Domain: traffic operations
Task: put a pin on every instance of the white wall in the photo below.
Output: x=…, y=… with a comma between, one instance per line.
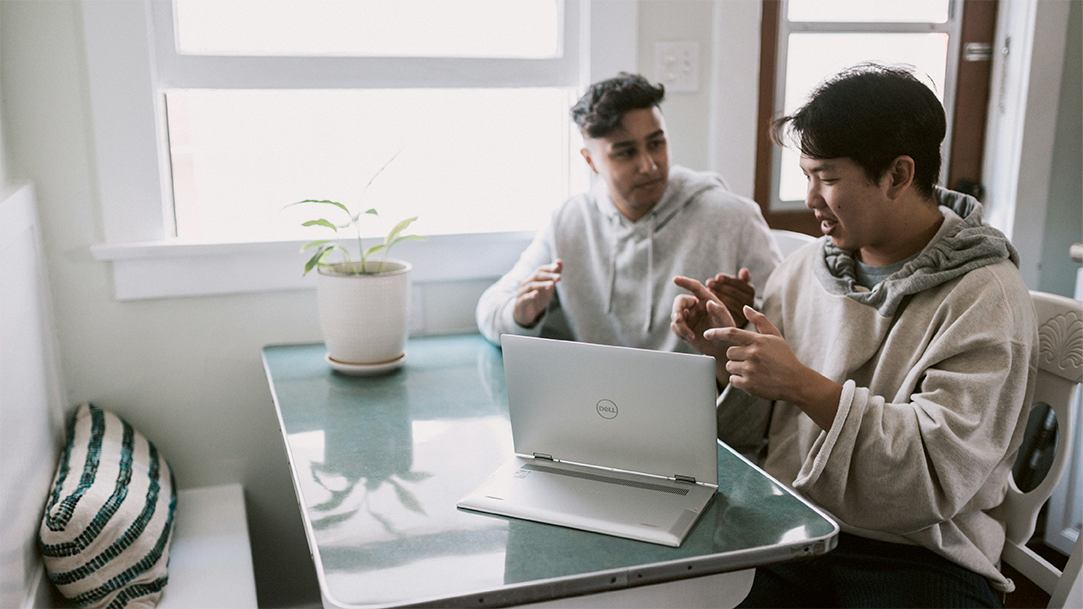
x=31, y=429
x=1021, y=131
x=1064, y=214
x=3, y=144
x=680, y=21
x=185, y=372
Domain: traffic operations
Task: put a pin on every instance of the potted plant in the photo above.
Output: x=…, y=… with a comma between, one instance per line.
x=364, y=305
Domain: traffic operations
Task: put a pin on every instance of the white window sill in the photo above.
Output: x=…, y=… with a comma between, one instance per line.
x=174, y=268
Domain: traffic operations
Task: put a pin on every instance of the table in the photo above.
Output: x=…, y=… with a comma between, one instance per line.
x=379, y=462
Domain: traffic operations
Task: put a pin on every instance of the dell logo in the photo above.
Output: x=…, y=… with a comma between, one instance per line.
x=607, y=409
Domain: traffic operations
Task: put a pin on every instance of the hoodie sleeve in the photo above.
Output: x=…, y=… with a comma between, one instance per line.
x=495, y=308
x=944, y=443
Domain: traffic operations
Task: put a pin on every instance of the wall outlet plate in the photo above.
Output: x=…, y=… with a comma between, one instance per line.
x=676, y=65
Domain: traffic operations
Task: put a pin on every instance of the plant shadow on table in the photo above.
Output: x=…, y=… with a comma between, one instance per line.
x=381, y=454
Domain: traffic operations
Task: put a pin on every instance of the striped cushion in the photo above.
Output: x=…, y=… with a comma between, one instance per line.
x=108, y=521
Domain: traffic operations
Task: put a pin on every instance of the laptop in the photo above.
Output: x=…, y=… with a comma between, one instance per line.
x=613, y=440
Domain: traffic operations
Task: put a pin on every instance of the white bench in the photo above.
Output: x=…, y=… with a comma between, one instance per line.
x=210, y=560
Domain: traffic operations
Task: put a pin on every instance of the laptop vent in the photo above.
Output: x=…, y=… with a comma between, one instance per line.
x=607, y=479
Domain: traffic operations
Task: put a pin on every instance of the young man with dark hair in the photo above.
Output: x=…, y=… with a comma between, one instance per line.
x=601, y=270
x=897, y=355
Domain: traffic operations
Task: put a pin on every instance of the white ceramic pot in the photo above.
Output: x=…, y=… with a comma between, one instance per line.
x=364, y=318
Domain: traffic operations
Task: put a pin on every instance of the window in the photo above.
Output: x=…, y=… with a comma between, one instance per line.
x=378, y=28
x=818, y=38
x=206, y=127
x=474, y=157
x=465, y=160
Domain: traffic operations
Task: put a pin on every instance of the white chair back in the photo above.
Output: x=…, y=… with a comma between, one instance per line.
x=1060, y=372
x=790, y=241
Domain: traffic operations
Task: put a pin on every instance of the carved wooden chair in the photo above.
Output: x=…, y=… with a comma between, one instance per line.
x=1060, y=371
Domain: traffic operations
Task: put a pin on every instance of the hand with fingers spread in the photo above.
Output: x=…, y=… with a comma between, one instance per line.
x=736, y=292
x=536, y=292
x=762, y=364
x=697, y=313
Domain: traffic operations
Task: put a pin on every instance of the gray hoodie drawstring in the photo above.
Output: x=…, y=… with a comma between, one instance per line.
x=650, y=275
x=612, y=264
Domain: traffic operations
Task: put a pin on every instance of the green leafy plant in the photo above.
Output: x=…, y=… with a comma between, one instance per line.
x=326, y=249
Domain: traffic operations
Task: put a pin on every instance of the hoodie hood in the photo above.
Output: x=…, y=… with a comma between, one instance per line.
x=962, y=244
x=682, y=188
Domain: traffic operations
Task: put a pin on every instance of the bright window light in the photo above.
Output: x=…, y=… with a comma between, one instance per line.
x=385, y=28
x=812, y=57
x=469, y=160
x=875, y=11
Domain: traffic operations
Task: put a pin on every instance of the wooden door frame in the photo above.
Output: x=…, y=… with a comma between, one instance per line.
x=968, y=128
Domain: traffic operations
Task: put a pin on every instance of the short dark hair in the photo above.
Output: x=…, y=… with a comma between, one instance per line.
x=872, y=114
x=603, y=106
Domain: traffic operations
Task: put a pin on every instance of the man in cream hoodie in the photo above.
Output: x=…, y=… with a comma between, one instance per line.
x=898, y=354
x=601, y=270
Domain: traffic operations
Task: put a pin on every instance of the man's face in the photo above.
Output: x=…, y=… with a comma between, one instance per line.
x=633, y=160
x=852, y=210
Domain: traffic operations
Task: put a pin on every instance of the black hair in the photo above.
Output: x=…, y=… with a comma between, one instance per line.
x=601, y=109
x=872, y=114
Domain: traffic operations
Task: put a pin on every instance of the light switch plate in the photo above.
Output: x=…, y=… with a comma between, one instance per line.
x=676, y=65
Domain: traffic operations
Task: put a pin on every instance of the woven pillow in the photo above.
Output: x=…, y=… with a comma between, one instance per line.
x=109, y=518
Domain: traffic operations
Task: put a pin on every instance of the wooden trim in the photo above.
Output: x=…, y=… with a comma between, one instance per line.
x=802, y=221
x=768, y=65
x=972, y=95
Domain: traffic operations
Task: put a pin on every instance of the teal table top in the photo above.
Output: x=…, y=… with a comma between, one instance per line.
x=379, y=463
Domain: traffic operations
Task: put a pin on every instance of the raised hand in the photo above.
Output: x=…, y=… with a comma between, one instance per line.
x=536, y=292
x=736, y=292
x=762, y=364
x=696, y=313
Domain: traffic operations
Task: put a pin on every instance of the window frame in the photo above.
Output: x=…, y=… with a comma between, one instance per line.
x=952, y=27
x=131, y=59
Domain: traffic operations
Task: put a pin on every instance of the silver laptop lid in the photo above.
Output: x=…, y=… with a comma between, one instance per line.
x=616, y=407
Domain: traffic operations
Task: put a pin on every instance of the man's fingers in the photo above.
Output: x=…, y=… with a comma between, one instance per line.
x=720, y=315
x=681, y=304
x=533, y=299
x=697, y=289
x=761, y=322
x=727, y=284
x=735, y=336
x=744, y=275
x=532, y=286
x=685, y=282
x=682, y=330
x=545, y=276
x=735, y=370
x=546, y=272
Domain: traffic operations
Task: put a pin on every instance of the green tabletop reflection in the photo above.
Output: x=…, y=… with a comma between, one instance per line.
x=380, y=462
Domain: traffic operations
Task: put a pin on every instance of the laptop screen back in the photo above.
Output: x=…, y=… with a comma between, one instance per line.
x=617, y=407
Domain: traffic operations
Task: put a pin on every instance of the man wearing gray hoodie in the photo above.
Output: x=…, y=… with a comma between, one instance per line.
x=601, y=270
x=897, y=357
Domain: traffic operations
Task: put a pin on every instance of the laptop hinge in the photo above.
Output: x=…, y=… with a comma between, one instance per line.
x=688, y=479
x=543, y=456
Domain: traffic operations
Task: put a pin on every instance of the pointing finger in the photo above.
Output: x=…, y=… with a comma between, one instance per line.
x=761, y=322
x=697, y=289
